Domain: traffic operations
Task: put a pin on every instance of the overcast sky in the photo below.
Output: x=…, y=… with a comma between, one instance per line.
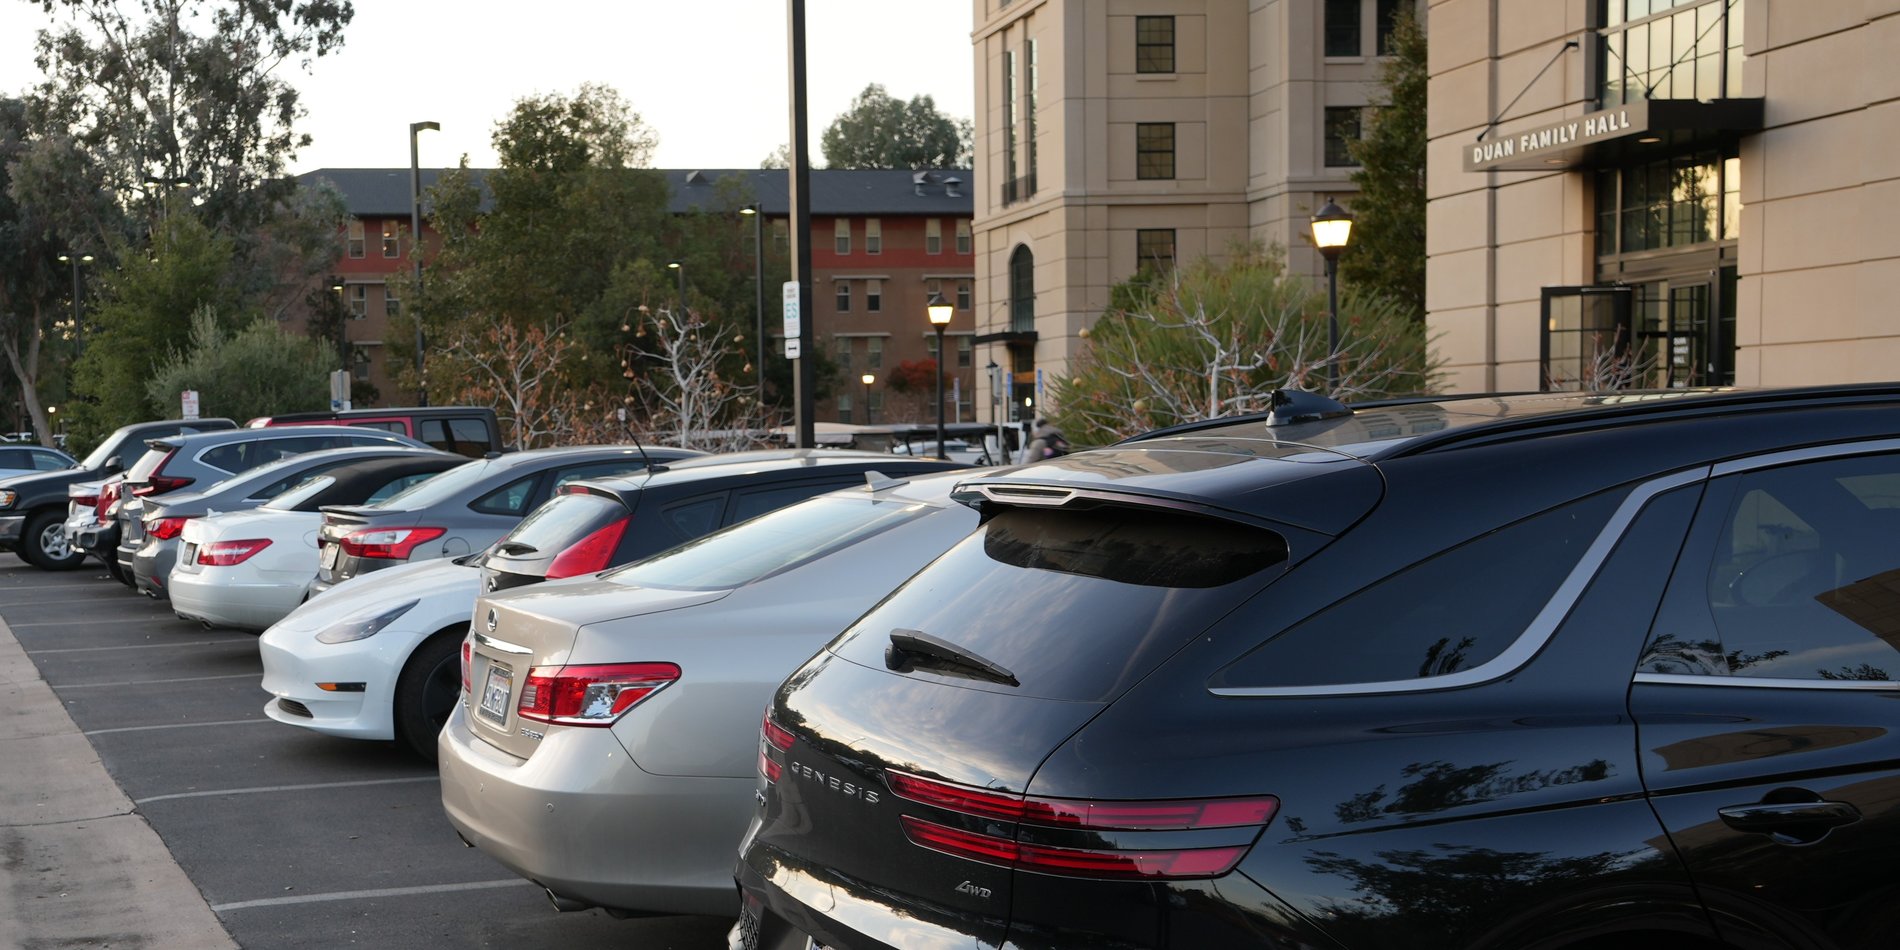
x=708, y=75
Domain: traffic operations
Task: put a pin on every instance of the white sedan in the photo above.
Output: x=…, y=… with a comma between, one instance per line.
x=247, y=569
x=369, y=658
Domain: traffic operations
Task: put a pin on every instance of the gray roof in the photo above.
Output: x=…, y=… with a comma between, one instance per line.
x=384, y=192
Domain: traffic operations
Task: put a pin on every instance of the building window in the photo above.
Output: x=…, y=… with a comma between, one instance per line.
x=1388, y=12
x=1022, y=289
x=841, y=231
x=933, y=235
x=873, y=295
x=1342, y=129
x=356, y=237
x=1154, y=248
x=1695, y=52
x=781, y=235
x=844, y=352
x=844, y=296
x=1673, y=202
x=1029, y=117
x=933, y=288
x=1154, y=44
x=874, y=352
x=930, y=346
x=966, y=350
x=963, y=295
x=963, y=237
x=359, y=301
x=392, y=304
x=873, y=236
x=1009, y=125
x=1342, y=28
x=359, y=364
x=392, y=239
x=1154, y=150
x=844, y=407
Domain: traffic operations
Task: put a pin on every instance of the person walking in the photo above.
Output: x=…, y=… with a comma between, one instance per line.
x=1046, y=442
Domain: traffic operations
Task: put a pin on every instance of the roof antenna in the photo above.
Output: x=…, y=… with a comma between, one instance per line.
x=652, y=469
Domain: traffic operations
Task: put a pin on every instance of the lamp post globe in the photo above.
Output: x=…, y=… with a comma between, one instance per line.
x=1332, y=230
x=940, y=313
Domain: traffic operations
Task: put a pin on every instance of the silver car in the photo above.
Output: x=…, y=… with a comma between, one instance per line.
x=607, y=739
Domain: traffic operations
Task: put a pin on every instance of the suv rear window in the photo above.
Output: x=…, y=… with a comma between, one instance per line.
x=565, y=519
x=1451, y=612
x=147, y=464
x=1076, y=604
x=769, y=543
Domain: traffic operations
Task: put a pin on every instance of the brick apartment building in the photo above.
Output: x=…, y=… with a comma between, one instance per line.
x=882, y=243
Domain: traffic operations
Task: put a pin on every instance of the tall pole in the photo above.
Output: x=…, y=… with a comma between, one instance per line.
x=940, y=452
x=415, y=235
x=804, y=373
x=679, y=267
x=758, y=285
x=1332, y=323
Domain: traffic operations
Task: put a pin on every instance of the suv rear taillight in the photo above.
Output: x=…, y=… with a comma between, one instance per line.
x=773, y=736
x=590, y=554
x=227, y=553
x=393, y=544
x=1230, y=826
x=594, y=694
x=158, y=482
x=165, y=529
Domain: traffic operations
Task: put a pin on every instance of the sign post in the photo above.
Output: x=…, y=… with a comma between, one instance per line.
x=188, y=405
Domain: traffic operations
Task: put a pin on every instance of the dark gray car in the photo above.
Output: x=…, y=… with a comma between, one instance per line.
x=165, y=516
x=463, y=511
x=171, y=465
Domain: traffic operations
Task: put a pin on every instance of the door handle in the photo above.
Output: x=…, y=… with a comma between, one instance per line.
x=1790, y=815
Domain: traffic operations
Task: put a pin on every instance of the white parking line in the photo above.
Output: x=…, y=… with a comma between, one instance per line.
x=174, y=725
x=129, y=646
x=212, y=793
x=81, y=623
x=83, y=600
x=379, y=892
x=182, y=679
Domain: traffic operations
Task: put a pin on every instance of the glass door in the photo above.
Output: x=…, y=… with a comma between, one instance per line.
x=1587, y=339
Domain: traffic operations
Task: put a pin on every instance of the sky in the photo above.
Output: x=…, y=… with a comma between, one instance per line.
x=709, y=76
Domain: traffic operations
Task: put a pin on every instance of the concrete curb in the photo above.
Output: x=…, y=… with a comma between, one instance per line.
x=78, y=866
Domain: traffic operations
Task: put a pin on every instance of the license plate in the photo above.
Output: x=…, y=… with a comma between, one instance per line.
x=135, y=530
x=495, y=692
x=188, y=558
x=330, y=553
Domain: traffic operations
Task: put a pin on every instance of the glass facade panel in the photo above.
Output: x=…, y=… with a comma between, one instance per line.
x=1689, y=49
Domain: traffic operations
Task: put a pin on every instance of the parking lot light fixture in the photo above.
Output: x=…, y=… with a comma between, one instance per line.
x=940, y=313
x=415, y=236
x=1332, y=230
x=79, y=327
x=679, y=268
x=867, y=379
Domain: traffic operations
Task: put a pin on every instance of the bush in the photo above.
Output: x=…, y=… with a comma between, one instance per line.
x=257, y=371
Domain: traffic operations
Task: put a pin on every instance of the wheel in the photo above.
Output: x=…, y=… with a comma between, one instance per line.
x=43, y=543
x=427, y=690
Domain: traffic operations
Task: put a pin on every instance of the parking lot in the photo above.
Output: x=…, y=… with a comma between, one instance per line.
x=293, y=839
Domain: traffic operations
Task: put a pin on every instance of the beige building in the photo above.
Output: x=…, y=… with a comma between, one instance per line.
x=1116, y=134
x=1676, y=192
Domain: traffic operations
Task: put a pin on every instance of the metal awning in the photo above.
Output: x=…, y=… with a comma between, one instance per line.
x=1611, y=136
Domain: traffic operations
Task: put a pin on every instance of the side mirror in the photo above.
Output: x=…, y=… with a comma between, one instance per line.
x=113, y=465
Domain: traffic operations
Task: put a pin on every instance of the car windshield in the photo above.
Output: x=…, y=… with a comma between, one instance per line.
x=770, y=543
x=439, y=488
x=299, y=493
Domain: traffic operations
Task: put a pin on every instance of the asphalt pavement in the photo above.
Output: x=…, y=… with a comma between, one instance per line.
x=146, y=801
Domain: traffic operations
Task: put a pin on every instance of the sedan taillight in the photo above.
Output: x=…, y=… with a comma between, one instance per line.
x=227, y=553
x=1224, y=828
x=593, y=694
x=772, y=737
x=165, y=529
x=468, y=660
x=391, y=544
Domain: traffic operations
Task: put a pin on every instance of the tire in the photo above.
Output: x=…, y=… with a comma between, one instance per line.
x=427, y=690
x=43, y=543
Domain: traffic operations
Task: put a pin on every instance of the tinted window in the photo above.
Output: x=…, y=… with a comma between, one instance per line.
x=300, y=493
x=1790, y=573
x=751, y=504
x=1076, y=604
x=619, y=466
x=146, y=465
x=289, y=480
x=13, y=458
x=435, y=432
x=470, y=436
x=509, y=499
x=442, y=487
x=397, y=485
x=1452, y=612
x=774, y=542
x=389, y=426
x=565, y=519
x=696, y=516
x=244, y=456
x=49, y=462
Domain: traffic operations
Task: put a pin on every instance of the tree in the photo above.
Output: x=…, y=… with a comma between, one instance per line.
x=687, y=401
x=1217, y=338
x=1387, y=256
x=513, y=369
x=186, y=92
x=780, y=157
x=256, y=371
x=880, y=131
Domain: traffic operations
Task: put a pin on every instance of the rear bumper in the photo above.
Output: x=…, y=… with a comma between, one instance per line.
x=583, y=821
x=152, y=565
x=100, y=541
x=202, y=597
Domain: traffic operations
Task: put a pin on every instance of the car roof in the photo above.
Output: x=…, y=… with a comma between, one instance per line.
x=219, y=437
x=762, y=460
x=666, y=454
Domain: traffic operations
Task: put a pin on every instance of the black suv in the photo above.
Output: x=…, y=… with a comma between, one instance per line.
x=1540, y=671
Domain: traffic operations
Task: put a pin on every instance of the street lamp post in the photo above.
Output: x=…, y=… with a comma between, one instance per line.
x=1332, y=228
x=79, y=327
x=757, y=214
x=679, y=267
x=940, y=312
x=342, y=322
x=867, y=379
x=415, y=235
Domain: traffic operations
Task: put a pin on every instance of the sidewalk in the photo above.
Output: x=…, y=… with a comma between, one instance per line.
x=78, y=868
